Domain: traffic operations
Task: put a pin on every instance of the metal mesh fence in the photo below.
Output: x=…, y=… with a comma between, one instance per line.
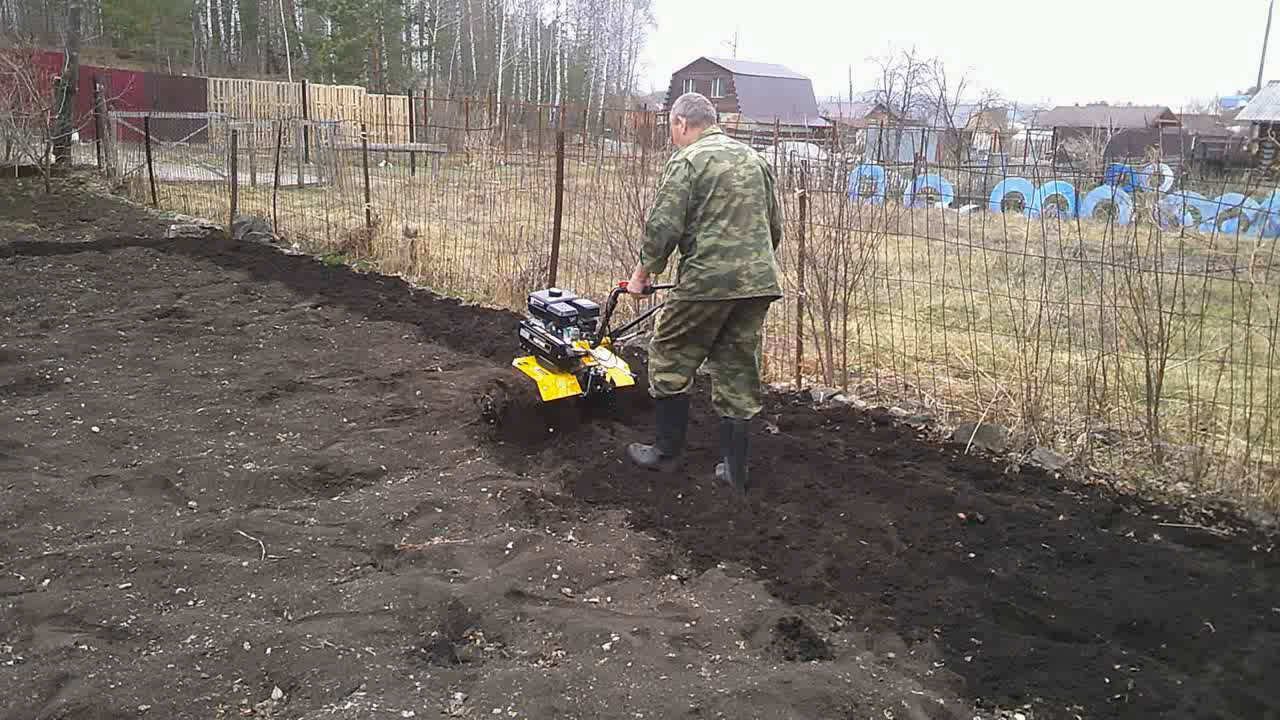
x=1124, y=313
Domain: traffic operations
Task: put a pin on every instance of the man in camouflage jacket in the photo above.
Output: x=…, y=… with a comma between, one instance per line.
x=716, y=203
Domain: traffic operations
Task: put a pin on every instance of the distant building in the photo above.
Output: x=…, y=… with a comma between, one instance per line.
x=1126, y=131
x=753, y=99
x=1263, y=116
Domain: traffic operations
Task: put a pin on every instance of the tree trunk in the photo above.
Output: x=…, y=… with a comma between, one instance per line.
x=67, y=84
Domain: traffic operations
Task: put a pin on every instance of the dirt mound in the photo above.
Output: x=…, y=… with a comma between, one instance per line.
x=795, y=641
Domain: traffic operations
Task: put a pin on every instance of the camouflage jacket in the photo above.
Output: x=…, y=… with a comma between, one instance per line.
x=716, y=203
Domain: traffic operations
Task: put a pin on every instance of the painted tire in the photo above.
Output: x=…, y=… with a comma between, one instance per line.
x=1011, y=186
x=867, y=170
x=1121, y=175
x=1108, y=193
x=1152, y=171
x=935, y=182
x=1228, y=202
x=1192, y=208
x=1055, y=188
x=1268, y=219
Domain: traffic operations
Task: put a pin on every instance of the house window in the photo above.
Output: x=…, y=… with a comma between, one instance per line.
x=689, y=85
x=717, y=88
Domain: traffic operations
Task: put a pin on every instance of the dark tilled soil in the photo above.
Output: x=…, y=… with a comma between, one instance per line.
x=240, y=483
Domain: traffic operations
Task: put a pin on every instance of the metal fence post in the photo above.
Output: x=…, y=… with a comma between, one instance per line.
x=306, y=126
x=97, y=121
x=151, y=170
x=558, y=219
x=800, y=260
x=275, y=190
x=235, y=177
x=364, y=159
x=413, y=135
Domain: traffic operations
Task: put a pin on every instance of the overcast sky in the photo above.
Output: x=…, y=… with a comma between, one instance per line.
x=1072, y=51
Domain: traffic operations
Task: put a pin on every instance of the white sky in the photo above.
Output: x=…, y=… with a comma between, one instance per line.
x=1072, y=51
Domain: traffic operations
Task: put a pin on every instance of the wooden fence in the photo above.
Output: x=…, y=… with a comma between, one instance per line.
x=387, y=116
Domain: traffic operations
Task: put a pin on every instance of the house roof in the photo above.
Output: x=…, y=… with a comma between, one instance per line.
x=1101, y=116
x=756, y=69
x=1202, y=123
x=1264, y=107
x=788, y=100
x=848, y=110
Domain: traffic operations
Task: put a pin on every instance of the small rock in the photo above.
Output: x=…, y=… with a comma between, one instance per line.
x=124, y=586
x=1019, y=716
x=96, y=429
x=566, y=592
x=823, y=395
x=185, y=230
x=277, y=694
x=193, y=504
x=988, y=438
x=251, y=229
x=1049, y=459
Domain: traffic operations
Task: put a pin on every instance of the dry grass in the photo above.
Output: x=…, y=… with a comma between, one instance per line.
x=1138, y=352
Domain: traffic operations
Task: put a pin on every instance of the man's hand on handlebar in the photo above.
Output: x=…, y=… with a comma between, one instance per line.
x=639, y=283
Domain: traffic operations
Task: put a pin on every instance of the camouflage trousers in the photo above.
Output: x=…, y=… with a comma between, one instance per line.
x=723, y=333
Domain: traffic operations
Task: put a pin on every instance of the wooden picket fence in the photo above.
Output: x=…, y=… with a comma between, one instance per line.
x=387, y=116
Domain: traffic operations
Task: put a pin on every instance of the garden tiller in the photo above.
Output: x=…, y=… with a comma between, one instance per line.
x=571, y=346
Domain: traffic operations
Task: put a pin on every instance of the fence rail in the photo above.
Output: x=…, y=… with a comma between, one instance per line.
x=1126, y=317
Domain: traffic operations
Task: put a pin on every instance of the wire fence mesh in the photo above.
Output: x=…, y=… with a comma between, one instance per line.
x=1121, y=311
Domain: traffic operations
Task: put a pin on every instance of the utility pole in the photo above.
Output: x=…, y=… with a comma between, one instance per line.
x=1266, y=36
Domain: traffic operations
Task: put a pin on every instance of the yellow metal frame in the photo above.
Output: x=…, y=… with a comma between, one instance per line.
x=555, y=384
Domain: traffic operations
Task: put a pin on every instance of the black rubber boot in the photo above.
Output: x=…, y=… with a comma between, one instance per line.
x=734, y=443
x=673, y=423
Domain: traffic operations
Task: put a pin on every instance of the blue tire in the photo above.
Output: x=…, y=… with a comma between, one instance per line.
x=937, y=183
x=876, y=174
x=1055, y=188
x=1011, y=186
x=1117, y=196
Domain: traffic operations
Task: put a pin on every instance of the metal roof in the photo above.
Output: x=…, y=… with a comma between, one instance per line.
x=745, y=67
x=1264, y=107
x=1106, y=116
x=788, y=100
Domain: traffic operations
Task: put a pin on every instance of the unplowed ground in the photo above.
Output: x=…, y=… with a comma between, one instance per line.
x=240, y=483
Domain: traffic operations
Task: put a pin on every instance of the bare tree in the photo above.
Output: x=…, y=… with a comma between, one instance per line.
x=26, y=107
x=65, y=88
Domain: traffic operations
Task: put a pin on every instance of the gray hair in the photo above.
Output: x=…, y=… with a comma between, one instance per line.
x=696, y=110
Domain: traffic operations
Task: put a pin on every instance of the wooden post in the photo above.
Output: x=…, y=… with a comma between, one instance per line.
x=386, y=125
x=235, y=177
x=306, y=126
x=800, y=260
x=275, y=189
x=466, y=115
x=557, y=220
x=300, y=149
x=253, y=161
x=151, y=170
x=368, y=193
x=97, y=121
x=413, y=134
